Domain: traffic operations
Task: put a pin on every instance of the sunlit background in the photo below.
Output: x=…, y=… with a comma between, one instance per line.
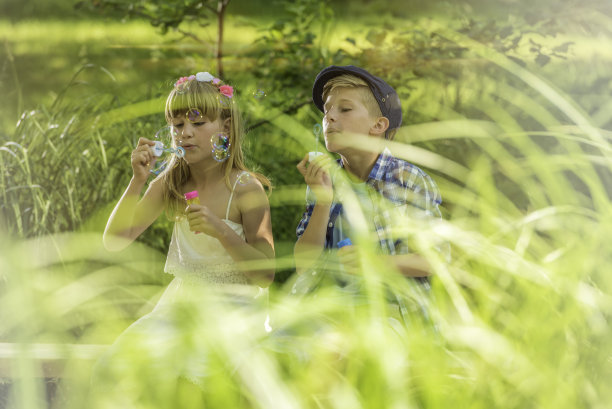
x=506, y=104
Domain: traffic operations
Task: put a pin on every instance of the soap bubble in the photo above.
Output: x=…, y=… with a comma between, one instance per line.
x=166, y=134
x=244, y=177
x=223, y=101
x=194, y=115
x=220, y=155
x=181, y=88
x=317, y=130
x=220, y=141
x=163, y=149
x=259, y=94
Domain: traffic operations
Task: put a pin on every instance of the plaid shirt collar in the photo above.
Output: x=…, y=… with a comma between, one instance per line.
x=377, y=174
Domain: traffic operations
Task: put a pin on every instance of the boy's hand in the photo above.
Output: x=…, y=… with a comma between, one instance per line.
x=143, y=159
x=201, y=219
x=349, y=258
x=316, y=176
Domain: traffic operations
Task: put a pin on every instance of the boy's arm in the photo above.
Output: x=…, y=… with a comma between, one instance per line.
x=409, y=265
x=311, y=242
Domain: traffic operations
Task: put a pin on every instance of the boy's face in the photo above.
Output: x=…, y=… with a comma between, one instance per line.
x=345, y=114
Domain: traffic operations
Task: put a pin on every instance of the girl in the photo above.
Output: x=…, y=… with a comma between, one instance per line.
x=234, y=214
x=212, y=241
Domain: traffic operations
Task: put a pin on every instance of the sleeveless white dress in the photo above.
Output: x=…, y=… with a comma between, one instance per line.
x=201, y=268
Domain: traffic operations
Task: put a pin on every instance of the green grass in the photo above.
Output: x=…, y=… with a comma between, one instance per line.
x=519, y=317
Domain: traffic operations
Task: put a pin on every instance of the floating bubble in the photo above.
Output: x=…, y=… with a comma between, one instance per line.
x=223, y=101
x=166, y=133
x=181, y=88
x=317, y=129
x=220, y=141
x=194, y=115
x=220, y=155
x=163, y=148
x=259, y=94
x=244, y=177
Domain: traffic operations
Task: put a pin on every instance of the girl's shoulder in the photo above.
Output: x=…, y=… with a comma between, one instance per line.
x=245, y=181
x=248, y=189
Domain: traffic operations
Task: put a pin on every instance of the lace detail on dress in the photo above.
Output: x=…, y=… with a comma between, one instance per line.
x=226, y=273
x=201, y=258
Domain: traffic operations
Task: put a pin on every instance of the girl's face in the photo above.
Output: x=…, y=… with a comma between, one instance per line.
x=194, y=135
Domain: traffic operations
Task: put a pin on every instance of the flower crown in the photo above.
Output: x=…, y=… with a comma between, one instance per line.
x=226, y=90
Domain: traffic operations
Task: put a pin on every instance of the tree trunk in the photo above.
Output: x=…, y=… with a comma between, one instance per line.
x=221, y=6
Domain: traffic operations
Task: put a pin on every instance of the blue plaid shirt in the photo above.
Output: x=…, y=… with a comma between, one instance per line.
x=404, y=185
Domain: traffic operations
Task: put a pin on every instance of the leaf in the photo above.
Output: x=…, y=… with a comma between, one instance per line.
x=517, y=60
x=542, y=60
x=505, y=32
x=563, y=48
x=376, y=37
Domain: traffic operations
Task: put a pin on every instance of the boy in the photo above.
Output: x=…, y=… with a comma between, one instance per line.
x=361, y=111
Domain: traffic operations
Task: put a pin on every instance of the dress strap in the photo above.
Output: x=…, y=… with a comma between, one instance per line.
x=229, y=202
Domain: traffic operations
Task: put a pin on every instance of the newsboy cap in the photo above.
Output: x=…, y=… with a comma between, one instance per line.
x=385, y=95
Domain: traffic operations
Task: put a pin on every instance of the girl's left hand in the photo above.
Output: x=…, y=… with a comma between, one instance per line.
x=201, y=219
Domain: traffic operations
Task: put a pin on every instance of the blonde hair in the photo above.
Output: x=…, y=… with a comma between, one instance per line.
x=205, y=97
x=352, y=81
x=367, y=97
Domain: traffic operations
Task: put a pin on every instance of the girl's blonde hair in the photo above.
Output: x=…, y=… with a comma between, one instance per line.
x=206, y=98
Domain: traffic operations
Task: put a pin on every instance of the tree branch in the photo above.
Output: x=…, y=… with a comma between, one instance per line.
x=287, y=111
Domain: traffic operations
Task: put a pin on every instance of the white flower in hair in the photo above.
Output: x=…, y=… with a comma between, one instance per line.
x=204, y=77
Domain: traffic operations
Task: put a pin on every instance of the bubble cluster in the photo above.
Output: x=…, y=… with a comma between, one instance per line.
x=221, y=146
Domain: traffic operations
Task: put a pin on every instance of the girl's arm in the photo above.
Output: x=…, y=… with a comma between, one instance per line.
x=132, y=215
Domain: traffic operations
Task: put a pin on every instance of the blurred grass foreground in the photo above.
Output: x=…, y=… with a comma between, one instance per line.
x=513, y=125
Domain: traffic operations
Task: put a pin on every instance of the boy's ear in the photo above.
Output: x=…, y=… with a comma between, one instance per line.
x=380, y=126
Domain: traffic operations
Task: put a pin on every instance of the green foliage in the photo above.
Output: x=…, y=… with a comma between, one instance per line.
x=519, y=317
x=163, y=14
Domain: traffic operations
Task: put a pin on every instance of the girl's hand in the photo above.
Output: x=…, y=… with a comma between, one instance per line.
x=349, y=258
x=316, y=176
x=143, y=158
x=201, y=219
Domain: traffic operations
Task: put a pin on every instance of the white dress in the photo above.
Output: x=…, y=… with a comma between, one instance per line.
x=201, y=268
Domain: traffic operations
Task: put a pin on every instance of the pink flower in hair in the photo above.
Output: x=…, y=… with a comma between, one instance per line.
x=216, y=81
x=180, y=81
x=226, y=90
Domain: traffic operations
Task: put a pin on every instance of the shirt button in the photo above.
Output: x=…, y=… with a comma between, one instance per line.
x=330, y=224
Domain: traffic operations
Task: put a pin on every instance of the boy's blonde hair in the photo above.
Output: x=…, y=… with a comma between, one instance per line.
x=367, y=97
x=352, y=81
x=206, y=98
